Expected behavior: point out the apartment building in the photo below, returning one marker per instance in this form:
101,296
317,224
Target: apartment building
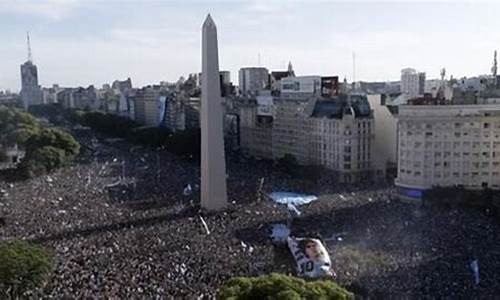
448,145
336,133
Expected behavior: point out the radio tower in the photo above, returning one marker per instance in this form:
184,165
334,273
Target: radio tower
494,69
30,58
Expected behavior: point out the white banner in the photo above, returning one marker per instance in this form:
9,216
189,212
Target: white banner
311,257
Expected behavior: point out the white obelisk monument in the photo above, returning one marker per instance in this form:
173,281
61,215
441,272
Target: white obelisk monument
213,164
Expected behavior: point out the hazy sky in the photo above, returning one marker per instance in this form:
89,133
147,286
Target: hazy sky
82,42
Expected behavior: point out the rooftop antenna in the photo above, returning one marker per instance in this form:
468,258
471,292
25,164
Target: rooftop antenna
259,59
494,69
30,58
443,73
353,67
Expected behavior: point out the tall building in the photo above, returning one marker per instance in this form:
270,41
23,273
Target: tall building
412,83
252,80
448,145
149,106
31,92
225,77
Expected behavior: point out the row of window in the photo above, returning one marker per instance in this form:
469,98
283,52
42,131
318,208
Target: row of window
448,145
476,125
448,174
428,155
453,164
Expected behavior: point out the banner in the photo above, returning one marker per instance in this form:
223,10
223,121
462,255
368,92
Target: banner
311,257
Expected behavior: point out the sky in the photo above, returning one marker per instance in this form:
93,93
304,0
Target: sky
83,42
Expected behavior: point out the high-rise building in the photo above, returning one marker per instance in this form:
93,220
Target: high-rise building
149,106
31,92
412,83
252,80
225,77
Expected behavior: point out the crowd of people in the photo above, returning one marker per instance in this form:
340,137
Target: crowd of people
121,226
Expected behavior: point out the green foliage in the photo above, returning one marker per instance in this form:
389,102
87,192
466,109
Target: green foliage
48,150
15,125
22,266
44,160
53,137
278,286
108,123
53,112
185,143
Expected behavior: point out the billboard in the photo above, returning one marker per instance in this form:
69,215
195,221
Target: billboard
301,84
264,106
311,257
330,86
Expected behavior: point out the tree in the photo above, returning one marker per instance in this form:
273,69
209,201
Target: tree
55,138
43,160
48,150
278,286
22,266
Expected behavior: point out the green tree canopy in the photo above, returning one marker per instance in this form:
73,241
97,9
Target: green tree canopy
278,286
22,267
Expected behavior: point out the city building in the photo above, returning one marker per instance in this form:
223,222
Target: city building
121,92
276,76
50,94
252,80
31,93
412,83
149,106
256,126
86,98
385,125
335,132
447,145
225,77
9,99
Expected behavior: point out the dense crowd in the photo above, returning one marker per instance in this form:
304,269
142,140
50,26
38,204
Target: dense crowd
122,226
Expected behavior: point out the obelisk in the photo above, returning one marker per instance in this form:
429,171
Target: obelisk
213,164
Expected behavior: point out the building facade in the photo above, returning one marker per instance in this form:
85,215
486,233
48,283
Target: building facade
31,93
336,133
252,80
412,83
386,132
448,145
149,107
